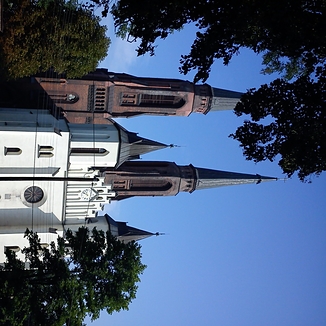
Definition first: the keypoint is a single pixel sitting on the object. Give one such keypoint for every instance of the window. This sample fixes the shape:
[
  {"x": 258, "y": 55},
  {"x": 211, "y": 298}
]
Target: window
[
  {"x": 12, "y": 151},
  {"x": 96, "y": 98},
  {"x": 71, "y": 98},
  {"x": 151, "y": 100},
  {"x": 45, "y": 148},
  {"x": 89, "y": 151},
  {"x": 161, "y": 100},
  {"x": 45, "y": 151},
  {"x": 33, "y": 194},
  {"x": 121, "y": 184},
  {"x": 99, "y": 104},
  {"x": 129, "y": 99},
  {"x": 12, "y": 248},
  {"x": 45, "y": 155}
]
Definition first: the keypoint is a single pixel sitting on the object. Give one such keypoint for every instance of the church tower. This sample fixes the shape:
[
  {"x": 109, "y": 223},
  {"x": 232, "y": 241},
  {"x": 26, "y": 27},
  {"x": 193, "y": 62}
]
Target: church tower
[
  {"x": 141, "y": 178},
  {"x": 102, "y": 94}
]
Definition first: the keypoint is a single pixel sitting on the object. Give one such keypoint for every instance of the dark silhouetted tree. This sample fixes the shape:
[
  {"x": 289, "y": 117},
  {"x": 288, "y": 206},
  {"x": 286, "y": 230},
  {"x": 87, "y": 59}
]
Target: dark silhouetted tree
[
  {"x": 290, "y": 33},
  {"x": 288, "y": 124},
  {"x": 290, "y": 36}
]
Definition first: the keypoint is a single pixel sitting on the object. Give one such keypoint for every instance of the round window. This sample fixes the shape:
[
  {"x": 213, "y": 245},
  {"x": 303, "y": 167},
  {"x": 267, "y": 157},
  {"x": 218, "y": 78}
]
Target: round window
[
  {"x": 33, "y": 194},
  {"x": 71, "y": 97}
]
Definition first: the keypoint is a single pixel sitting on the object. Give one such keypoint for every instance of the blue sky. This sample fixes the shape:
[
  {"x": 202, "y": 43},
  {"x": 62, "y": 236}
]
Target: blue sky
[{"x": 242, "y": 255}]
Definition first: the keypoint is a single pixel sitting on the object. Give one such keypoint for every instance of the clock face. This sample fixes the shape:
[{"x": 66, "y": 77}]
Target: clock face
[{"x": 88, "y": 194}]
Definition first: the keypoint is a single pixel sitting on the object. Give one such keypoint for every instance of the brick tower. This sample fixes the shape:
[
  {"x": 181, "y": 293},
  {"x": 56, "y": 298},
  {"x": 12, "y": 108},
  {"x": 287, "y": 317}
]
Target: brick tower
[{"x": 102, "y": 94}]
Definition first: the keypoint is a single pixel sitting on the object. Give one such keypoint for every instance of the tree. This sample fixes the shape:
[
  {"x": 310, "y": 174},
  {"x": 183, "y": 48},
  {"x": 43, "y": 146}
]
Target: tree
[
  {"x": 281, "y": 30},
  {"x": 290, "y": 36},
  {"x": 292, "y": 125},
  {"x": 40, "y": 34},
  {"x": 81, "y": 275}
]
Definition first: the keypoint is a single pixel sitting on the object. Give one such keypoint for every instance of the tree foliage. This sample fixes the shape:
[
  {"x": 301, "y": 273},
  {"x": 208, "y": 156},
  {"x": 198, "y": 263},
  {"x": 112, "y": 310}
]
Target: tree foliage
[
  {"x": 288, "y": 123},
  {"x": 290, "y": 36},
  {"x": 81, "y": 275},
  {"x": 43, "y": 34},
  {"x": 292, "y": 29}
]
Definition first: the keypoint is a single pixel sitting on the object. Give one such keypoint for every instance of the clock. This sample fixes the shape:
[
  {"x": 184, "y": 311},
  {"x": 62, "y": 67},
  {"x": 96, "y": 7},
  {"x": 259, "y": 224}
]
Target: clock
[{"x": 88, "y": 194}]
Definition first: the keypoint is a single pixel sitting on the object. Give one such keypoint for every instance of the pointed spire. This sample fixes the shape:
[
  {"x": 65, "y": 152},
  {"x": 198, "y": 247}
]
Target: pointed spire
[
  {"x": 125, "y": 232},
  {"x": 207, "y": 178},
  {"x": 133, "y": 146},
  {"x": 139, "y": 145},
  {"x": 223, "y": 99},
  {"x": 128, "y": 233}
]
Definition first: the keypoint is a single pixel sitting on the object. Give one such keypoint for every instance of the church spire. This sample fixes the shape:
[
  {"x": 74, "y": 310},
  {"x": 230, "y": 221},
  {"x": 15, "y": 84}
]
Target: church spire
[
  {"x": 141, "y": 178},
  {"x": 223, "y": 99},
  {"x": 207, "y": 178},
  {"x": 124, "y": 232},
  {"x": 209, "y": 98},
  {"x": 133, "y": 146}
]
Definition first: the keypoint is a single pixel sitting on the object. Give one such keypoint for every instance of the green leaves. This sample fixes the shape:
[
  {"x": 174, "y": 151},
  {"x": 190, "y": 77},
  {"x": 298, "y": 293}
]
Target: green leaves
[
  {"x": 50, "y": 34},
  {"x": 87, "y": 272},
  {"x": 291, "y": 31},
  {"x": 291, "y": 37},
  {"x": 292, "y": 125}
]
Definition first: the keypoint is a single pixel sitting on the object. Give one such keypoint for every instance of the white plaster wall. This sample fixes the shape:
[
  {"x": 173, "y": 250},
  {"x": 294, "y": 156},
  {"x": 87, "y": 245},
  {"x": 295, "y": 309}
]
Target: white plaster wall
[
  {"x": 95, "y": 136},
  {"x": 17, "y": 239},
  {"x": 62, "y": 203}
]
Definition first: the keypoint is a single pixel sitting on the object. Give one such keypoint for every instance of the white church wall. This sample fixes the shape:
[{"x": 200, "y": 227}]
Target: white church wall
[
  {"x": 40, "y": 147},
  {"x": 16, "y": 242},
  {"x": 94, "y": 145}
]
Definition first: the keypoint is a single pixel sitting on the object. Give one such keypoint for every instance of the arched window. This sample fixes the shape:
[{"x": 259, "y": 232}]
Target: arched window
[
  {"x": 152, "y": 100},
  {"x": 153, "y": 185},
  {"x": 12, "y": 151},
  {"x": 12, "y": 248},
  {"x": 142, "y": 185},
  {"x": 33, "y": 194},
  {"x": 72, "y": 98},
  {"x": 82, "y": 151},
  {"x": 45, "y": 151}
]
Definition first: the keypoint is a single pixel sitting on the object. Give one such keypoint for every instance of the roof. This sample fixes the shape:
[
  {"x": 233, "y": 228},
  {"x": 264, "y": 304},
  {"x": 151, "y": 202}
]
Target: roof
[
  {"x": 125, "y": 232},
  {"x": 133, "y": 146},
  {"x": 224, "y": 99}
]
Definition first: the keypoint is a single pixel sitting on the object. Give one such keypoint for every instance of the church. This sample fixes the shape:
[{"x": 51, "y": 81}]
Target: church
[{"x": 64, "y": 157}]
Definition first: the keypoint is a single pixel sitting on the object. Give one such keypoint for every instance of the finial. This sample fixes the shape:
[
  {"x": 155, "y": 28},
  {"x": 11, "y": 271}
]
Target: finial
[
  {"x": 158, "y": 233},
  {"x": 259, "y": 179}
]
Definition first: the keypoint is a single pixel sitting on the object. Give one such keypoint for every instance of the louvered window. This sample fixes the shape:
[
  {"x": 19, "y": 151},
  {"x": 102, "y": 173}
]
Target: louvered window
[
  {"x": 99, "y": 104},
  {"x": 151, "y": 100},
  {"x": 96, "y": 98}
]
